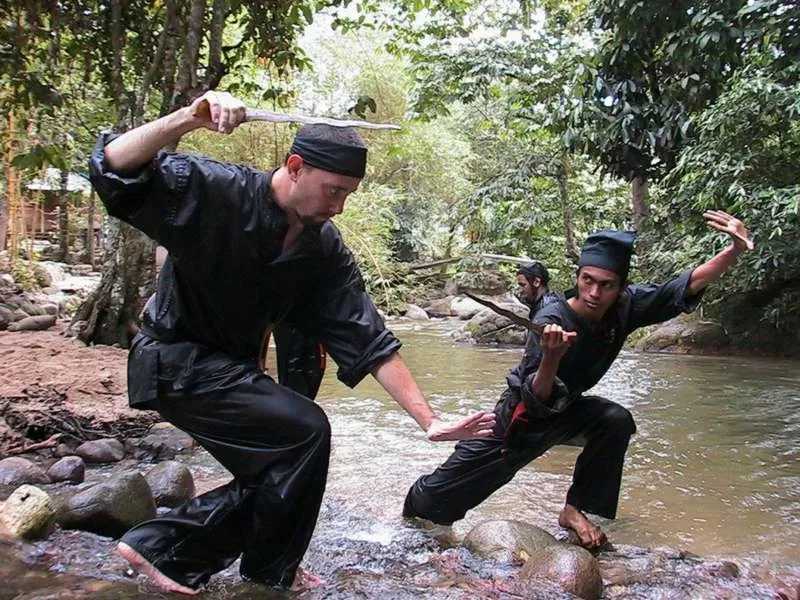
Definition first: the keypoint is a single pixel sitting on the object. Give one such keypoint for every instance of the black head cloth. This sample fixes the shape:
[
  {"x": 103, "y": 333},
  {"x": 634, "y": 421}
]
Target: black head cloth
[
  {"x": 333, "y": 149},
  {"x": 610, "y": 250}
]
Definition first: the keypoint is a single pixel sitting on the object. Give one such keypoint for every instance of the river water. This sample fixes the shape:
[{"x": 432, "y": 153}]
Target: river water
[{"x": 714, "y": 469}]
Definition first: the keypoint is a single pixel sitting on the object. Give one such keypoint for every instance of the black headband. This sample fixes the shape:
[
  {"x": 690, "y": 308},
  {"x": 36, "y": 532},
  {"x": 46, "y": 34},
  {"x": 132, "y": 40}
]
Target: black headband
[
  {"x": 330, "y": 156},
  {"x": 609, "y": 250}
]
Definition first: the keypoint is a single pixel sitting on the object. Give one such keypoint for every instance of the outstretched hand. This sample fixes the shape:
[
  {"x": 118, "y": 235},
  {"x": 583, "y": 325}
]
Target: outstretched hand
[
  {"x": 479, "y": 425},
  {"x": 219, "y": 111},
  {"x": 722, "y": 221}
]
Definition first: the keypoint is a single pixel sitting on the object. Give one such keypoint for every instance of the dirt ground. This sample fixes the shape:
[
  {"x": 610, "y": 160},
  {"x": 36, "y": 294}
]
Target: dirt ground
[{"x": 52, "y": 384}]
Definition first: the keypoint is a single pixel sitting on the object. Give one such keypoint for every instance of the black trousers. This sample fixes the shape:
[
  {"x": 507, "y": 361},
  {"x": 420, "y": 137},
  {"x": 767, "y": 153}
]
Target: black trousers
[
  {"x": 274, "y": 441},
  {"x": 479, "y": 467}
]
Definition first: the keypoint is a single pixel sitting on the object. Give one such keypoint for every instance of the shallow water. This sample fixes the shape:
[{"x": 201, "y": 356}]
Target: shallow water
[{"x": 714, "y": 469}]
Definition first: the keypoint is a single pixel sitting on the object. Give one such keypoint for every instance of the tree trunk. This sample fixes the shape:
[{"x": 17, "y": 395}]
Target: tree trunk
[
  {"x": 63, "y": 218},
  {"x": 89, "y": 243},
  {"x": 562, "y": 177},
  {"x": 3, "y": 221},
  {"x": 639, "y": 202},
  {"x": 117, "y": 52},
  {"x": 111, "y": 312}
]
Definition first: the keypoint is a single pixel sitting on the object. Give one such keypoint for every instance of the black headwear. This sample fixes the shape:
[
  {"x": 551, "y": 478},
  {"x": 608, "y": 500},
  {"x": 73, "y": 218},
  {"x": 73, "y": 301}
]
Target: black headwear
[
  {"x": 332, "y": 153},
  {"x": 535, "y": 269},
  {"x": 610, "y": 250}
]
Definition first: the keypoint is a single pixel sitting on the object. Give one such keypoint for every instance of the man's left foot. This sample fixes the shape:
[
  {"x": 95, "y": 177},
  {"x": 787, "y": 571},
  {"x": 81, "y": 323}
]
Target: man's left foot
[{"x": 590, "y": 535}]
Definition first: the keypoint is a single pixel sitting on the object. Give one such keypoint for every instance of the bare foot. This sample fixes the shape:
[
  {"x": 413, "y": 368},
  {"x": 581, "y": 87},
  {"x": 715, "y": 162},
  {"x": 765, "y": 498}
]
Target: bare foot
[
  {"x": 154, "y": 576},
  {"x": 305, "y": 580},
  {"x": 590, "y": 535}
]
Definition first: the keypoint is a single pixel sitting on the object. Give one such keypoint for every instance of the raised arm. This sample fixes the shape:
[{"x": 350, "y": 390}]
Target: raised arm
[
  {"x": 396, "y": 379},
  {"x": 712, "y": 269},
  {"x": 554, "y": 343},
  {"x": 133, "y": 149}
]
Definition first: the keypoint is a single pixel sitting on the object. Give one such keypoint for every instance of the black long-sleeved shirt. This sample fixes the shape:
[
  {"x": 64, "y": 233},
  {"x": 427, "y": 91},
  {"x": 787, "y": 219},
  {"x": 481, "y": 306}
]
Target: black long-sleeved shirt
[{"x": 227, "y": 280}]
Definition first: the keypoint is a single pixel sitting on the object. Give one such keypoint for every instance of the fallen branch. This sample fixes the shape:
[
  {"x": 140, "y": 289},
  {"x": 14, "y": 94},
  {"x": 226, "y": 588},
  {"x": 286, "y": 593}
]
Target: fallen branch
[{"x": 50, "y": 442}]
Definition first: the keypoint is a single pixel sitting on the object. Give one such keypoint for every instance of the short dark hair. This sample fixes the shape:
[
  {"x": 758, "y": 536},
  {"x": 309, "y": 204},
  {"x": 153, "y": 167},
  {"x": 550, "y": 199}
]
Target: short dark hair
[{"x": 535, "y": 269}]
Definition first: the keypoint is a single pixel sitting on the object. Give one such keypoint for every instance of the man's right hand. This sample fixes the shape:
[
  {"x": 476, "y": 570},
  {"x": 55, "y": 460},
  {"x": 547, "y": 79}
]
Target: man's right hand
[
  {"x": 218, "y": 111},
  {"x": 479, "y": 425},
  {"x": 555, "y": 341}
]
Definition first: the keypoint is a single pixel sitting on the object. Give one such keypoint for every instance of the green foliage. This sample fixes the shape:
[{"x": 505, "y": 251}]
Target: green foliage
[
  {"x": 366, "y": 227},
  {"x": 743, "y": 160},
  {"x": 658, "y": 64}
]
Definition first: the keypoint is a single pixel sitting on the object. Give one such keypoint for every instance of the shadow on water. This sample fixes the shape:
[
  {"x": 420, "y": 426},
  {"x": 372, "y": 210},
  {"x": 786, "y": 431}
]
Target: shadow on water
[{"x": 714, "y": 469}]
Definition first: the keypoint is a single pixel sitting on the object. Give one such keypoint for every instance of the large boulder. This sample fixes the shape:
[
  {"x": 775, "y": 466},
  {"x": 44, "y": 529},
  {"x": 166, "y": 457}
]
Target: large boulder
[
  {"x": 27, "y": 512},
  {"x": 487, "y": 327},
  {"x": 440, "y": 307},
  {"x": 110, "y": 508},
  {"x": 686, "y": 334},
  {"x": 416, "y": 313},
  {"x": 507, "y": 540},
  {"x": 572, "y": 568},
  {"x": 465, "y": 308},
  {"x": 486, "y": 282}
]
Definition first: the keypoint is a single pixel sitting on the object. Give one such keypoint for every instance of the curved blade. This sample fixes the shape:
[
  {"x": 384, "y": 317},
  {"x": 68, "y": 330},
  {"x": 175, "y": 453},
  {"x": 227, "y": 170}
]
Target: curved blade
[
  {"x": 256, "y": 114},
  {"x": 537, "y": 328}
]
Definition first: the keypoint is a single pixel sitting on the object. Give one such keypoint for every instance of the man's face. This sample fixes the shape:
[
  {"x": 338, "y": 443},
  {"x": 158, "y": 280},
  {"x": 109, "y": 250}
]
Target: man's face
[
  {"x": 318, "y": 195},
  {"x": 598, "y": 289},
  {"x": 526, "y": 292}
]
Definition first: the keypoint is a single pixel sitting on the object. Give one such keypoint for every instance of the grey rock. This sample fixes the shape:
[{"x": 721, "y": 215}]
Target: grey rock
[
  {"x": 16, "y": 470},
  {"x": 507, "y": 540},
  {"x": 572, "y": 568},
  {"x": 69, "y": 468},
  {"x": 416, "y": 313},
  {"x": 162, "y": 443},
  {"x": 440, "y": 307},
  {"x": 110, "y": 508},
  {"x": 171, "y": 483},
  {"x": 101, "y": 451}
]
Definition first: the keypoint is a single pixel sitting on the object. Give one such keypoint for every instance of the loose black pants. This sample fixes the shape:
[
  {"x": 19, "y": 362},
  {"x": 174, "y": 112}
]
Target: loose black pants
[
  {"x": 479, "y": 467},
  {"x": 275, "y": 443}
]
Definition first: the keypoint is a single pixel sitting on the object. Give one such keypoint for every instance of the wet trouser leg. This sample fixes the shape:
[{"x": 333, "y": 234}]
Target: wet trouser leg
[
  {"x": 478, "y": 468},
  {"x": 276, "y": 443}
]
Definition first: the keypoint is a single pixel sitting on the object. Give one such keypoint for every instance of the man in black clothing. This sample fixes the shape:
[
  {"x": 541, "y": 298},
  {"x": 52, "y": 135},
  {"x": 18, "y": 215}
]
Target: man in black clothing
[
  {"x": 545, "y": 402},
  {"x": 251, "y": 255},
  {"x": 533, "y": 281}
]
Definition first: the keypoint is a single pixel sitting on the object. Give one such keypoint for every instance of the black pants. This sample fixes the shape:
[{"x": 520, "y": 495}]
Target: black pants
[
  {"x": 479, "y": 467},
  {"x": 275, "y": 443}
]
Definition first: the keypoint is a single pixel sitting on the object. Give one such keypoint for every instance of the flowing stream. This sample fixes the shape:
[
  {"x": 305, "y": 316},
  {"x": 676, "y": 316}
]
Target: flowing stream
[{"x": 714, "y": 469}]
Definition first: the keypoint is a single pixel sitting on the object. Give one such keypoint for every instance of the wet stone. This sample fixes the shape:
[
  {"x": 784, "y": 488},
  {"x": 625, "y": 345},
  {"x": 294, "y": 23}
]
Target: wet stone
[
  {"x": 101, "y": 451},
  {"x": 572, "y": 568},
  {"x": 69, "y": 468},
  {"x": 110, "y": 508},
  {"x": 171, "y": 483},
  {"x": 17, "y": 471},
  {"x": 507, "y": 540},
  {"x": 163, "y": 442}
]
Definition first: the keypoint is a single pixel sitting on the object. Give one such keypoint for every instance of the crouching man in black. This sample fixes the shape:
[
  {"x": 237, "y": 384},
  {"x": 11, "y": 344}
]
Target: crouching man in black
[
  {"x": 252, "y": 254},
  {"x": 545, "y": 405}
]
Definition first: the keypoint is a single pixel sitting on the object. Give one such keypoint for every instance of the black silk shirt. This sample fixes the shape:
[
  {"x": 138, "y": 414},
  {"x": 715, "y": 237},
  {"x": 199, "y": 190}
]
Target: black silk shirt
[
  {"x": 598, "y": 344},
  {"x": 227, "y": 282}
]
